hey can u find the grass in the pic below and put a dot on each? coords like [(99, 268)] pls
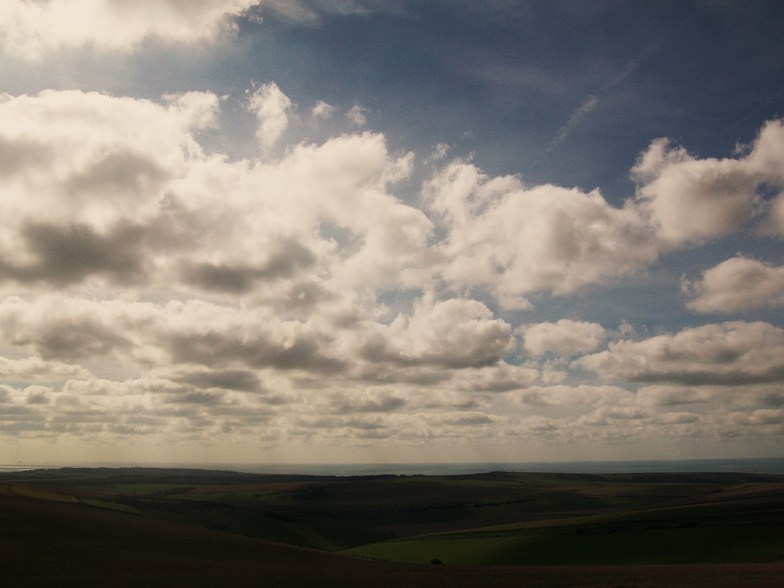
[(489, 519), (644, 546), (32, 491), (108, 505)]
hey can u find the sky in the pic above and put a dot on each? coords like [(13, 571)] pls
[(319, 231)]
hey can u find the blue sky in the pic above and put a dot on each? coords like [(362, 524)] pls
[(323, 230)]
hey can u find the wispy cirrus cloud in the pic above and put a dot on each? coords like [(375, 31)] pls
[(575, 119)]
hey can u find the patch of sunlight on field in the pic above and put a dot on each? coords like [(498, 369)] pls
[(141, 489), (37, 492), (755, 543), (449, 551), (108, 505)]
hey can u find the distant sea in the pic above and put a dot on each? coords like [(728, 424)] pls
[(751, 466)]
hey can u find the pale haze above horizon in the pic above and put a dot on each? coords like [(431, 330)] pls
[(238, 231)]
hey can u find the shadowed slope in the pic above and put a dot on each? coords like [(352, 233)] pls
[(52, 543)]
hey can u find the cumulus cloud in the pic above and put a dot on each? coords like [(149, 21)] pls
[(737, 284), (63, 329), (380, 402), (95, 207), (773, 225), (514, 239), (450, 333), (119, 189), (30, 29), (609, 415), (501, 377), (35, 369), (692, 200), (732, 353), (322, 110), (565, 337), (571, 396), (272, 108), (226, 379), (669, 395)]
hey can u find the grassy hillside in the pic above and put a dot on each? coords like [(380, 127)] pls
[(488, 519)]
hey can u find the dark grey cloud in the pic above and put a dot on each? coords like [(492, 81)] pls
[(17, 423), (289, 258), (240, 380), (67, 254), (18, 154), (198, 397), (501, 384), (385, 374), (335, 422), (213, 348), (65, 338), (37, 398), (709, 377), (220, 277), (119, 171), (773, 399), (303, 296), (377, 403), (470, 420)]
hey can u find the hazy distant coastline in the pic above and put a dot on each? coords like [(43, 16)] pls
[(774, 465)]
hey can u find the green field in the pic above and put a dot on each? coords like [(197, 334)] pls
[(637, 544)]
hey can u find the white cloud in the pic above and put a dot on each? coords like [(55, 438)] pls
[(773, 225), (732, 353), (692, 200), (500, 377), (34, 369), (449, 333), (119, 189), (33, 28), (84, 155), (357, 115), (322, 110), (575, 396), (767, 153), (438, 153), (86, 194), (515, 240), (762, 416), (609, 415), (565, 337), (737, 284), (272, 108)]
